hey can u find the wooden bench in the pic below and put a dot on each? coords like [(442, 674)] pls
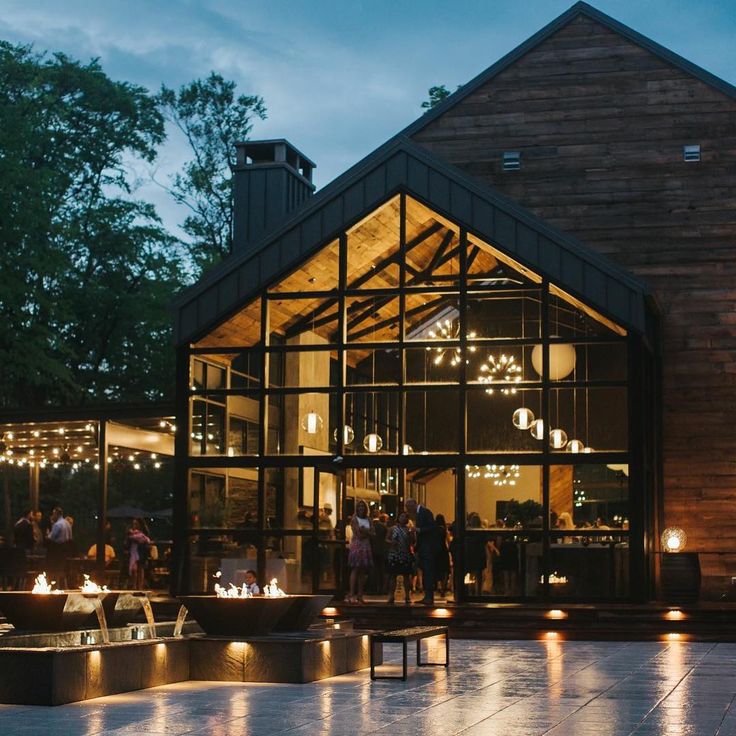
[(403, 637)]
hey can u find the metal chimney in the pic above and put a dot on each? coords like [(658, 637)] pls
[(270, 180)]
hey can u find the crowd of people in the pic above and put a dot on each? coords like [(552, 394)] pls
[(50, 542), (416, 548)]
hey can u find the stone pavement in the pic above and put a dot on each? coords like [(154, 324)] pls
[(510, 688)]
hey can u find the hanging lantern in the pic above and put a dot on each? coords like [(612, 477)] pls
[(537, 429), (372, 442), (557, 439), (523, 418), (562, 359), (673, 539), (312, 422), (407, 450), (348, 435), (575, 446)]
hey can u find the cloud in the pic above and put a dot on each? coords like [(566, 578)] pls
[(338, 78)]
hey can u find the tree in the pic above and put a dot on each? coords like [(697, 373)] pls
[(87, 270), (436, 95), (212, 118)]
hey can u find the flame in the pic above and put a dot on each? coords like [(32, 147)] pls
[(43, 587), (232, 591), (272, 590), (90, 586)]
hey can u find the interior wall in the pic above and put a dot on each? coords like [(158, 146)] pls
[(481, 495)]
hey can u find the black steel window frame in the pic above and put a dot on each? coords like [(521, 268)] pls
[(638, 358)]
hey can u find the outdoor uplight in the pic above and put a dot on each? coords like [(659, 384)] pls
[(312, 422), (673, 539)]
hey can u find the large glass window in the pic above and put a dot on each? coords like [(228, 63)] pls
[(402, 339)]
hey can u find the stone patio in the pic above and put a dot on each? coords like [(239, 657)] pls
[(508, 688)]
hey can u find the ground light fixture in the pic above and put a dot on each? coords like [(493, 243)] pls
[(673, 539)]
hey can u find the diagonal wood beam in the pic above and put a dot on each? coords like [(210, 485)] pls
[(308, 319)]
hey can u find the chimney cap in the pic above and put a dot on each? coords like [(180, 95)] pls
[(274, 151)]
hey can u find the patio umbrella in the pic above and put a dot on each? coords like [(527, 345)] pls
[(127, 512)]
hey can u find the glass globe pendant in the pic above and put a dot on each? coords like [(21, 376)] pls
[(372, 442), (575, 446), (348, 435), (536, 428), (557, 439), (523, 418), (407, 450), (312, 422)]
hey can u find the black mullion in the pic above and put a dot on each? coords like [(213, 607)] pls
[(459, 573), (546, 551), (263, 418), (179, 582), (402, 334), (341, 282)]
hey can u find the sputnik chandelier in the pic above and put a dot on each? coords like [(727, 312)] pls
[(504, 370), (502, 475), (448, 329)]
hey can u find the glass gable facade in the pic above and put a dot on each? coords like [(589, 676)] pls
[(411, 358)]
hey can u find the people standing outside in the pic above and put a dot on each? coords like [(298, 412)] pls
[(426, 546), (138, 544), (23, 532), (360, 559), (400, 560), (442, 560), (378, 548), (59, 543)]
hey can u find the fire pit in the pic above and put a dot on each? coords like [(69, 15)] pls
[(220, 616), (90, 607), (233, 611), (302, 612)]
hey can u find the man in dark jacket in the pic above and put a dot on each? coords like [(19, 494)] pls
[(426, 546), (23, 532)]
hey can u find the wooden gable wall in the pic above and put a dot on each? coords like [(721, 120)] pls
[(601, 123)]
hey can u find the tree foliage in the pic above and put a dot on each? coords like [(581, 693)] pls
[(211, 117), (87, 269), (436, 95)]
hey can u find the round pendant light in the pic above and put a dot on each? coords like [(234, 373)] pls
[(557, 439), (536, 428), (348, 435), (407, 450), (523, 418), (575, 446), (312, 422), (372, 442), (562, 359)]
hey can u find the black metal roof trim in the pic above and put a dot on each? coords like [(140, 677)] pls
[(402, 165), (580, 8)]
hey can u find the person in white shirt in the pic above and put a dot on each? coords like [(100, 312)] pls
[(250, 582)]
